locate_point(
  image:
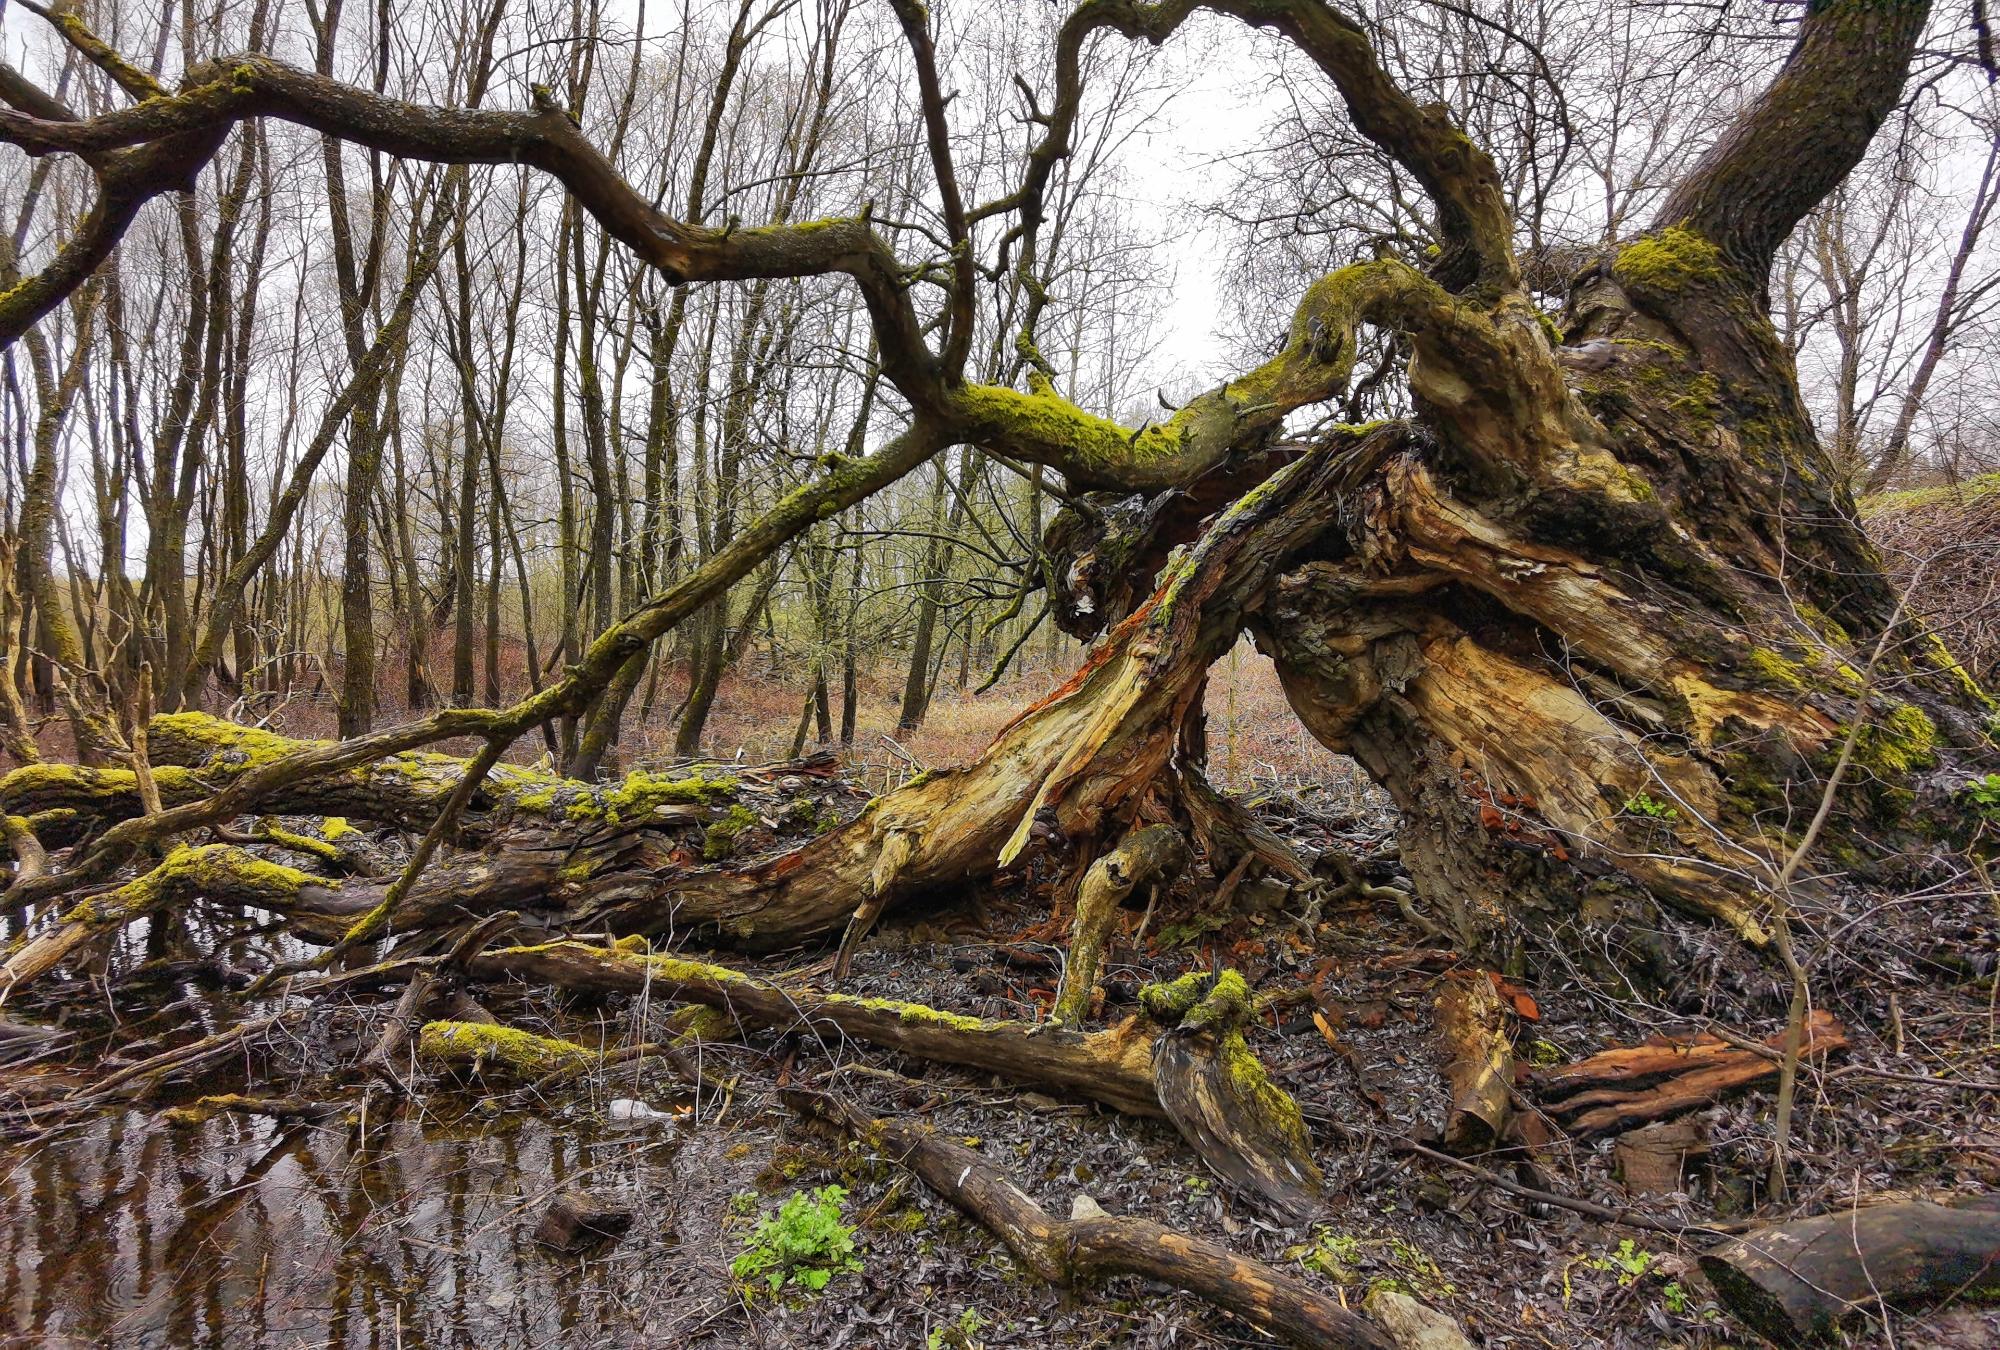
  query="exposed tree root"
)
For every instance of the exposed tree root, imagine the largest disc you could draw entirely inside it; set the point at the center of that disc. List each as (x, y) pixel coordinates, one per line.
(1093, 1244)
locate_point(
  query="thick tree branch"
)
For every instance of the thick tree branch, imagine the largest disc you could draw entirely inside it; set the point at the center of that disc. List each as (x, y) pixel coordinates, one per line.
(1795, 144)
(217, 95)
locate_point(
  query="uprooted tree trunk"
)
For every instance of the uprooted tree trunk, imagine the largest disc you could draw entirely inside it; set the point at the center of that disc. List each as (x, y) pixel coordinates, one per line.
(1594, 614)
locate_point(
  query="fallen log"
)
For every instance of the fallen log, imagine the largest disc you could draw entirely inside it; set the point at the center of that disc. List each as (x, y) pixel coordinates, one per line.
(1797, 1281)
(1665, 1076)
(486, 1049)
(1092, 1244)
(1186, 1059)
(1113, 1067)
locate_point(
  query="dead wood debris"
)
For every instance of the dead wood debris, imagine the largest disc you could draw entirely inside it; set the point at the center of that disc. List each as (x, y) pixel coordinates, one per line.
(1664, 1076)
(1798, 1281)
(1092, 1244)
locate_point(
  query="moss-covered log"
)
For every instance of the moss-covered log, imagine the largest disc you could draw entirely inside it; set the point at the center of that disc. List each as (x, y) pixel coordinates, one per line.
(1185, 1059)
(186, 873)
(487, 1050)
(194, 754)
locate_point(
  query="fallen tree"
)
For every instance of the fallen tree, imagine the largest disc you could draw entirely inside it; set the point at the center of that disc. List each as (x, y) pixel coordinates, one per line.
(1796, 1282)
(1596, 613)
(1561, 588)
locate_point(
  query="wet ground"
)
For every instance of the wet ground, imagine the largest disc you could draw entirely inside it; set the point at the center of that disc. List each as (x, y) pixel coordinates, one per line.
(128, 1228)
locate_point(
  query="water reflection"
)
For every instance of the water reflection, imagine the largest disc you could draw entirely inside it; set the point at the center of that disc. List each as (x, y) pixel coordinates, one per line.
(127, 1230)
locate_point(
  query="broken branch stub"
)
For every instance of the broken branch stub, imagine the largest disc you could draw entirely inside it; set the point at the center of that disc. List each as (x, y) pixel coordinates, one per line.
(1152, 856)
(1222, 1101)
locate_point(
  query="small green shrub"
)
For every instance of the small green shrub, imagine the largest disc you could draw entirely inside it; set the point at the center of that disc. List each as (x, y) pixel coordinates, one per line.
(1334, 1255)
(1641, 804)
(1984, 794)
(960, 1335)
(1630, 1261)
(805, 1244)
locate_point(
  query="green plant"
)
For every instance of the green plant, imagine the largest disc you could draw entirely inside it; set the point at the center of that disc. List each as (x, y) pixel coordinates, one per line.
(960, 1335)
(1676, 1297)
(743, 1204)
(1642, 804)
(806, 1243)
(1334, 1255)
(1630, 1261)
(1984, 794)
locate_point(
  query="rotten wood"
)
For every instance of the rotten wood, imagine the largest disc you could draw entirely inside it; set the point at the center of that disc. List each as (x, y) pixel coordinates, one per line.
(1150, 857)
(1478, 1054)
(1654, 1159)
(1665, 1076)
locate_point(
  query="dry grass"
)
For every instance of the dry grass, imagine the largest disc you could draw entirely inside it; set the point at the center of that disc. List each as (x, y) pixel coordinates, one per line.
(1947, 537)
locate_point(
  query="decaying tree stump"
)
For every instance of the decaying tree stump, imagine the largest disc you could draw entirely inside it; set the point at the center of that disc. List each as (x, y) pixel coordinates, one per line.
(1795, 1282)
(1654, 1159)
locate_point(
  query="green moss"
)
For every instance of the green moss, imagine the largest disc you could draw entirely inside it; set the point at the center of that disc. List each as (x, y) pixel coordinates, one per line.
(1774, 670)
(719, 841)
(701, 1023)
(1006, 416)
(1945, 663)
(634, 800)
(335, 828)
(299, 843)
(1901, 743)
(480, 1046)
(678, 970)
(41, 787)
(248, 746)
(1669, 262)
(217, 869)
(1168, 1003)
(1252, 1084)
(918, 1014)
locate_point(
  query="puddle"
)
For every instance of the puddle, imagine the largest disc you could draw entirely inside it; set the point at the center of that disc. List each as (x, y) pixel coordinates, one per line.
(127, 1230)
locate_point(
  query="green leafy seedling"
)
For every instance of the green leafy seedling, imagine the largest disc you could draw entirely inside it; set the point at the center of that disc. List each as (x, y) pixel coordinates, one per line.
(804, 1245)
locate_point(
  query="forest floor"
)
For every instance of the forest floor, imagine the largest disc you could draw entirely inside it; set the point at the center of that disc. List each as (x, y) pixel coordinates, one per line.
(132, 1228)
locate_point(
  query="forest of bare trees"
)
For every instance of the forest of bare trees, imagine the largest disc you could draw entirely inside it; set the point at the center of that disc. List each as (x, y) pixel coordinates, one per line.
(490, 490)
